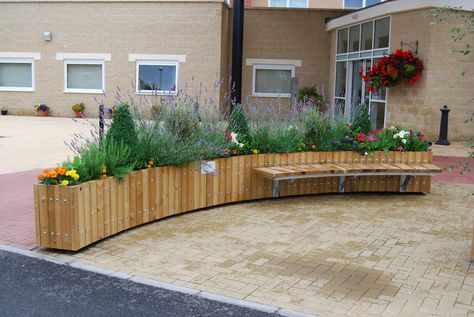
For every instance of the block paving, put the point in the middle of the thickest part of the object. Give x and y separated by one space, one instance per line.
330 255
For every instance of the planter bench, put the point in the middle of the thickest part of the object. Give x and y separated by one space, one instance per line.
70 218
293 172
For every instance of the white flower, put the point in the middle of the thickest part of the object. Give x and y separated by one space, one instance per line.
402 134
241 145
404 141
233 135
366 153
395 136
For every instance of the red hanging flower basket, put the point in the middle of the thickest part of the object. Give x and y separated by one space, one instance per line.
390 69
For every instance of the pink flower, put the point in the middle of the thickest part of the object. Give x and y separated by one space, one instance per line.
226 151
371 139
400 148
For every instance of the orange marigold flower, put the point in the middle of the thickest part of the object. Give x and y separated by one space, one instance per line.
40 177
234 152
46 171
52 174
313 147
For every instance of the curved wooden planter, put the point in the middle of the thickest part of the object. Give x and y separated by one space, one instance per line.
71 218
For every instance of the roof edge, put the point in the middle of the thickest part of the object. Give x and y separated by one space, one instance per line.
391 7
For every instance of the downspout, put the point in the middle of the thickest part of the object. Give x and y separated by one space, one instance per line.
237 52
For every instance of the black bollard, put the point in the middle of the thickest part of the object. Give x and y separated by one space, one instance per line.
101 121
443 128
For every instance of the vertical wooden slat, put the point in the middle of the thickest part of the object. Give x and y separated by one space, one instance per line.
68 218
234 178
165 187
247 177
177 190
120 203
133 199
260 180
100 208
86 194
106 199
209 190
184 188
139 197
78 228
57 217
113 205
44 215
159 192
126 202
203 189
152 202
216 184
145 189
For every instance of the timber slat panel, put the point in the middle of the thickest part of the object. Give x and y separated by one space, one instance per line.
73 217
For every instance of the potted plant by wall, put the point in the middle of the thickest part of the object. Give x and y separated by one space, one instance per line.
78 109
42 110
310 96
4 111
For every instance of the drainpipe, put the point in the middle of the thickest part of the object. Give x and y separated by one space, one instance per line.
237 52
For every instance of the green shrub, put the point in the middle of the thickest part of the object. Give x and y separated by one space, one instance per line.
122 129
316 129
180 120
238 123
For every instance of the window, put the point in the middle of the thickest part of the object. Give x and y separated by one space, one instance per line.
272 80
360 3
157 77
358 47
84 76
288 3
84 72
16 75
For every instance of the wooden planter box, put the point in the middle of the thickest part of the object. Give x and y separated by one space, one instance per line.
70 218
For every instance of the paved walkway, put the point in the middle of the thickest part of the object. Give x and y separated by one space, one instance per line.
366 254
363 255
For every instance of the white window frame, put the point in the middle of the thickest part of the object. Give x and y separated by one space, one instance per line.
364 4
20 61
271 67
287 4
156 63
84 62
348 96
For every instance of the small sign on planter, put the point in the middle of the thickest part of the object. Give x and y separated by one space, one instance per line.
208 167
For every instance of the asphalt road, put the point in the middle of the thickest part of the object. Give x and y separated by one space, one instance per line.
33 287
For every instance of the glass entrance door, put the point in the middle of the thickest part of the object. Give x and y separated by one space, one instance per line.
359 94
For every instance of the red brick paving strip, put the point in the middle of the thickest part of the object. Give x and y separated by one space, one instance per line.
17 215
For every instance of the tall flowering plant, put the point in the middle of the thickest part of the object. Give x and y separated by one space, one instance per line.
390 69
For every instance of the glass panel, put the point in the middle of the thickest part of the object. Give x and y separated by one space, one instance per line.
354 38
157 77
352 3
366 54
277 3
341 70
382 33
342 41
15 75
339 107
377 114
356 88
84 76
298 3
367 29
273 81
371 2
354 55
341 57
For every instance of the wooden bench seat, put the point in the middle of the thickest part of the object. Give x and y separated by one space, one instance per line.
298 171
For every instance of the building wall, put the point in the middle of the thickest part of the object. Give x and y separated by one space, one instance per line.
287 34
119 28
442 82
